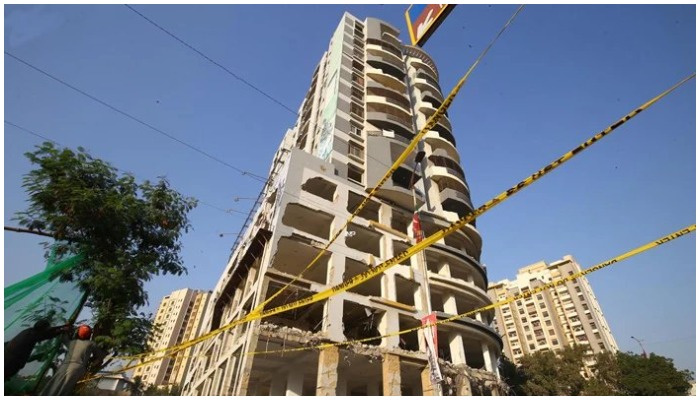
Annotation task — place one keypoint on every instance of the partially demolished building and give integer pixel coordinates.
(368, 96)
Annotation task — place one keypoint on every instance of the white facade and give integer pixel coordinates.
(561, 316)
(177, 320)
(368, 96)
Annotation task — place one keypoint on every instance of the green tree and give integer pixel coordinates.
(512, 375)
(653, 376)
(606, 378)
(128, 232)
(554, 374)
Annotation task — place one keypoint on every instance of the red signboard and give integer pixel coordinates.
(423, 19)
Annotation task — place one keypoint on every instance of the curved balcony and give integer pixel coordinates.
(431, 99)
(456, 202)
(438, 142)
(386, 79)
(475, 329)
(445, 123)
(451, 165)
(399, 90)
(389, 116)
(462, 266)
(420, 54)
(467, 239)
(470, 297)
(422, 67)
(425, 84)
(390, 96)
(427, 89)
(386, 47)
(387, 65)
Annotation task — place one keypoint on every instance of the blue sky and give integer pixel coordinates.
(556, 77)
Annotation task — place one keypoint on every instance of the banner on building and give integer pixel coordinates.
(424, 19)
(431, 344)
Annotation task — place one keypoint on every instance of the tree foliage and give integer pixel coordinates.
(128, 232)
(547, 373)
(512, 375)
(653, 376)
(554, 374)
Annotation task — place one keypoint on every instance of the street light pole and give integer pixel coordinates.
(644, 353)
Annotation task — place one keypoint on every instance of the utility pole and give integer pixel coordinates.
(422, 263)
(644, 353)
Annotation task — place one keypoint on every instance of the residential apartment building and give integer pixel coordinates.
(177, 320)
(368, 96)
(557, 317)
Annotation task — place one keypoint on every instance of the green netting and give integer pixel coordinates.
(40, 296)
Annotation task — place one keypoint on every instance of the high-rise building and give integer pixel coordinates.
(557, 317)
(367, 99)
(177, 320)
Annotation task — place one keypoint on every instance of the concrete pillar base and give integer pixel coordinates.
(327, 380)
(391, 375)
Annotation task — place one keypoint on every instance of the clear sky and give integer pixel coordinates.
(556, 77)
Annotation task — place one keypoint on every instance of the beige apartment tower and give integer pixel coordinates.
(561, 316)
(179, 317)
(367, 99)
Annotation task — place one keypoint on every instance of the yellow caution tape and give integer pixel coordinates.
(511, 299)
(374, 271)
(439, 113)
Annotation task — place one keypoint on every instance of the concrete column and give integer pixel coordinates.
(457, 349)
(391, 375)
(295, 382)
(449, 303)
(488, 360)
(479, 317)
(327, 380)
(426, 383)
(389, 323)
(333, 309)
(494, 362)
(463, 386)
(278, 386)
(389, 286)
(444, 269)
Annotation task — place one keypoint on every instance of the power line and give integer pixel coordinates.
(228, 211)
(228, 71)
(140, 121)
(32, 133)
(243, 172)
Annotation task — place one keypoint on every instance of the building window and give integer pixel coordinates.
(357, 110)
(355, 129)
(357, 93)
(356, 78)
(355, 173)
(356, 151)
